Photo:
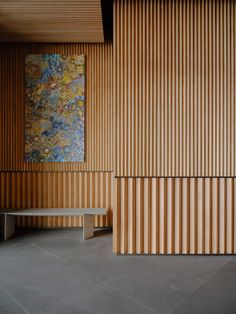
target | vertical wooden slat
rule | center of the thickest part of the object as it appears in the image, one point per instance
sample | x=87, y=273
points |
x=139, y=216
x=154, y=215
x=229, y=215
x=116, y=216
x=215, y=216
x=222, y=216
x=147, y=215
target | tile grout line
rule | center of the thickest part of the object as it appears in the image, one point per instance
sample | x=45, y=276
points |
x=15, y=300
x=160, y=264
x=200, y=280
x=50, y=305
x=178, y=271
x=101, y=282
x=186, y=298
x=191, y=276
x=61, y=258
x=68, y=263
x=195, y=290
x=129, y=297
x=216, y=271
x=48, y=252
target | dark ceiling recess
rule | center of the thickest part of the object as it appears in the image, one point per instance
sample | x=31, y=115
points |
x=107, y=16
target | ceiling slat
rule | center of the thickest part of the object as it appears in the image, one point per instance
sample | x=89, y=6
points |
x=51, y=21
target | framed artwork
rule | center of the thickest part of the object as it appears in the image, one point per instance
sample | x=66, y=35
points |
x=54, y=108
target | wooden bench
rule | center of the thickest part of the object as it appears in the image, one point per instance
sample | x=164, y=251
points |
x=88, y=218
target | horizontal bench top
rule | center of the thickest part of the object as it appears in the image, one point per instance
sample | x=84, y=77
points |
x=55, y=211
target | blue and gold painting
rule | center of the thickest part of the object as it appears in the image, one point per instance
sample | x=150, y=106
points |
x=54, y=108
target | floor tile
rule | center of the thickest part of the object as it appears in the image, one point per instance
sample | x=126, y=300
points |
x=97, y=299
x=194, y=265
x=37, y=279
x=217, y=296
x=159, y=288
x=8, y=305
x=226, y=276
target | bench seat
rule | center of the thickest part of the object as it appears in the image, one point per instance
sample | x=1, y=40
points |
x=88, y=217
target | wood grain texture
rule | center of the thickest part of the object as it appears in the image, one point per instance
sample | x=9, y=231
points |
x=57, y=190
x=174, y=88
x=98, y=124
x=175, y=215
x=51, y=21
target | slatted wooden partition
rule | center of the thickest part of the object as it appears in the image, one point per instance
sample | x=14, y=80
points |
x=175, y=215
x=174, y=87
x=57, y=189
x=174, y=100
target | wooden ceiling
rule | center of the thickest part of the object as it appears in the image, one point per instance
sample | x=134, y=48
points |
x=51, y=21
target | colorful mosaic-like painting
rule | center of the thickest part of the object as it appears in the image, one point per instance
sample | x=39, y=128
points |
x=54, y=108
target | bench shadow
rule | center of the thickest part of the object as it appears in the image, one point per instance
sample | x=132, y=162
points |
x=21, y=232
x=102, y=232
x=24, y=233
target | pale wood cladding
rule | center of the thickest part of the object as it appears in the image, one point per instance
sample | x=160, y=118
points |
x=98, y=124
x=51, y=21
x=174, y=88
x=175, y=215
x=57, y=190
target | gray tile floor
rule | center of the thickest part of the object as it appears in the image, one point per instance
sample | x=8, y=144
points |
x=54, y=271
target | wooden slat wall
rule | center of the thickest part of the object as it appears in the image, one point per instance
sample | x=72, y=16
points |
x=174, y=100
x=175, y=215
x=58, y=189
x=174, y=87
x=87, y=184
x=98, y=106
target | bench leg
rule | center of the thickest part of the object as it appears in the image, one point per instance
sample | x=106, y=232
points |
x=88, y=225
x=9, y=226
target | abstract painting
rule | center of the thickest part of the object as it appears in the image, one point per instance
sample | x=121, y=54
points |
x=54, y=108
